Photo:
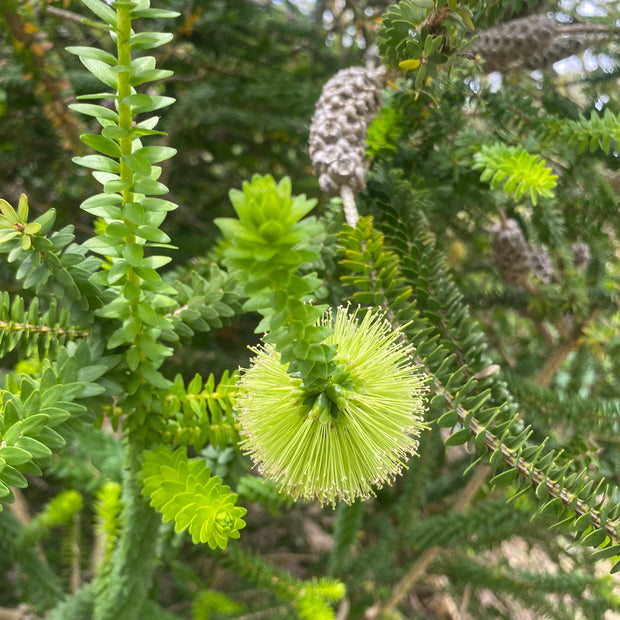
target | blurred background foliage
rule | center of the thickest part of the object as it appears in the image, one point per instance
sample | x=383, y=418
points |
x=247, y=76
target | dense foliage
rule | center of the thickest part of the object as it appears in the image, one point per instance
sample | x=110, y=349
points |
x=429, y=425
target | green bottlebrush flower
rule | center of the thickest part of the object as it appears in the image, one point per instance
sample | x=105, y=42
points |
x=354, y=435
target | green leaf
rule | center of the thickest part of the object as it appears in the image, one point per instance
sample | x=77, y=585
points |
x=98, y=111
x=149, y=40
x=33, y=423
x=154, y=377
x=15, y=456
x=594, y=538
x=113, y=132
x=7, y=210
x=155, y=154
x=155, y=262
x=148, y=274
x=148, y=314
x=118, y=229
x=138, y=163
x=22, y=208
x=150, y=233
x=550, y=507
x=98, y=162
x=99, y=200
x=102, y=244
x=448, y=419
x=102, y=71
x=115, y=309
x=117, y=339
x=158, y=204
x=148, y=186
x=34, y=447
x=150, y=75
x=113, y=186
x=93, y=53
x=7, y=235
x=96, y=96
x=131, y=327
x=139, y=132
x=12, y=433
x=154, y=14
x=607, y=552
x=133, y=357
x=118, y=271
x=13, y=477
x=134, y=212
x=459, y=437
x=504, y=478
x=583, y=522
x=102, y=11
x=147, y=103
x=134, y=254
x=101, y=144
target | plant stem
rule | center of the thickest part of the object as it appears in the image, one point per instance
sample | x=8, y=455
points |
x=350, y=208
x=554, y=361
x=419, y=567
x=133, y=562
x=125, y=117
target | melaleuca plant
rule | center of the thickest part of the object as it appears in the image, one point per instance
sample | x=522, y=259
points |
x=313, y=404
x=438, y=373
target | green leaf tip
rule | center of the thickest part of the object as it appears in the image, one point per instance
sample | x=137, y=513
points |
x=184, y=491
x=267, y=211
x=521, y=172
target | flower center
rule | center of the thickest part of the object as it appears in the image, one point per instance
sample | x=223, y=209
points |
x=328, y=404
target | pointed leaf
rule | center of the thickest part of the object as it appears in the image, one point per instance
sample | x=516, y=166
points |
x=93, y=53
x=460, y=437
x=102, y=11
x=149, y=40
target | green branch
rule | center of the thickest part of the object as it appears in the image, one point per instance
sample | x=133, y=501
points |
x=521, y=172
x=461, y=402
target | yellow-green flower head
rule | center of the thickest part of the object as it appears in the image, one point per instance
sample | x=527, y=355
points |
x=353, y=436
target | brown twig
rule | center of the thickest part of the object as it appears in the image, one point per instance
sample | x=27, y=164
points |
x=568, y=343
x=350, y=208
x=558, y=354
x=70, y=15
x=74, y=549
x=20, y=511
x=419, y=567
x=21, y=612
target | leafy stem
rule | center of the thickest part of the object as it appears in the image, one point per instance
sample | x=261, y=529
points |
x=125, y=116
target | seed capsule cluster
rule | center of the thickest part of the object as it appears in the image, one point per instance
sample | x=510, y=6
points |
x=540, y=262
x=515, y=258
x=560, y=47
x=534, y=42
x=511, y=254
x=581, y=254
x=348, y=104
x=515, y=42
